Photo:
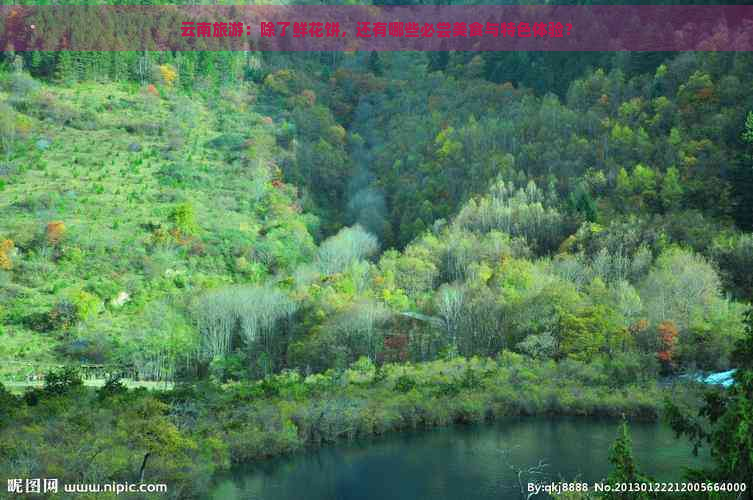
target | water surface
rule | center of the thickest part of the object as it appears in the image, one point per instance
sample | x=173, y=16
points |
x=461, y=462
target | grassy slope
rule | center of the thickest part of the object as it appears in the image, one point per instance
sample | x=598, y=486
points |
x=107, y=196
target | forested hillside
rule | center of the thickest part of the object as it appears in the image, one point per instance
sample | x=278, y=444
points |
x=400, y=227
x=616, y=205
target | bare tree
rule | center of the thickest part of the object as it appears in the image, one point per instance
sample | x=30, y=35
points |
x=521, y=212
x=450, y=304
x=217, y=319
x=251, y=314
x=360, y=328
x=526, y=475
x=348, y=245
x=682, y=284
x=259, y=311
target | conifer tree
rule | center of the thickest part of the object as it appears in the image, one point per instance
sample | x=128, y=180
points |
x=625, y=469
x=64, y=71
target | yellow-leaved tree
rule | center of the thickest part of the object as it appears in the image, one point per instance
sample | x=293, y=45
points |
x=6, y=247
x=169, y=74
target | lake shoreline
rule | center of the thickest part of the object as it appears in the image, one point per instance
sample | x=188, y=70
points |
x=212, y=428
x=358, y=459
x=330, y=408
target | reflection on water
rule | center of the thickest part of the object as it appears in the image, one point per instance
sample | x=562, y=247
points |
x=468, y=463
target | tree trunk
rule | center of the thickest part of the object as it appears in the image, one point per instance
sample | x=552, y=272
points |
x=143, y=466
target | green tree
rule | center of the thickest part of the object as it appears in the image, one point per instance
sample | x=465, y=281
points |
x=625, y=469
x=644, y=183
x=184, y=218
x=149, y=432
x=583, y=203
x=62, y=381
x=8, y=130
x=581, y=334
x=8, y=405
x=438, y=60
x=724, y=422
x=743, y=178
x=624, y=186
x=375, y=63
x=65, y=71
x=671, y=190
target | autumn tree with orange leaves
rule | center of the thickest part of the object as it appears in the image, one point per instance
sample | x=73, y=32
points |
x=668, y=336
